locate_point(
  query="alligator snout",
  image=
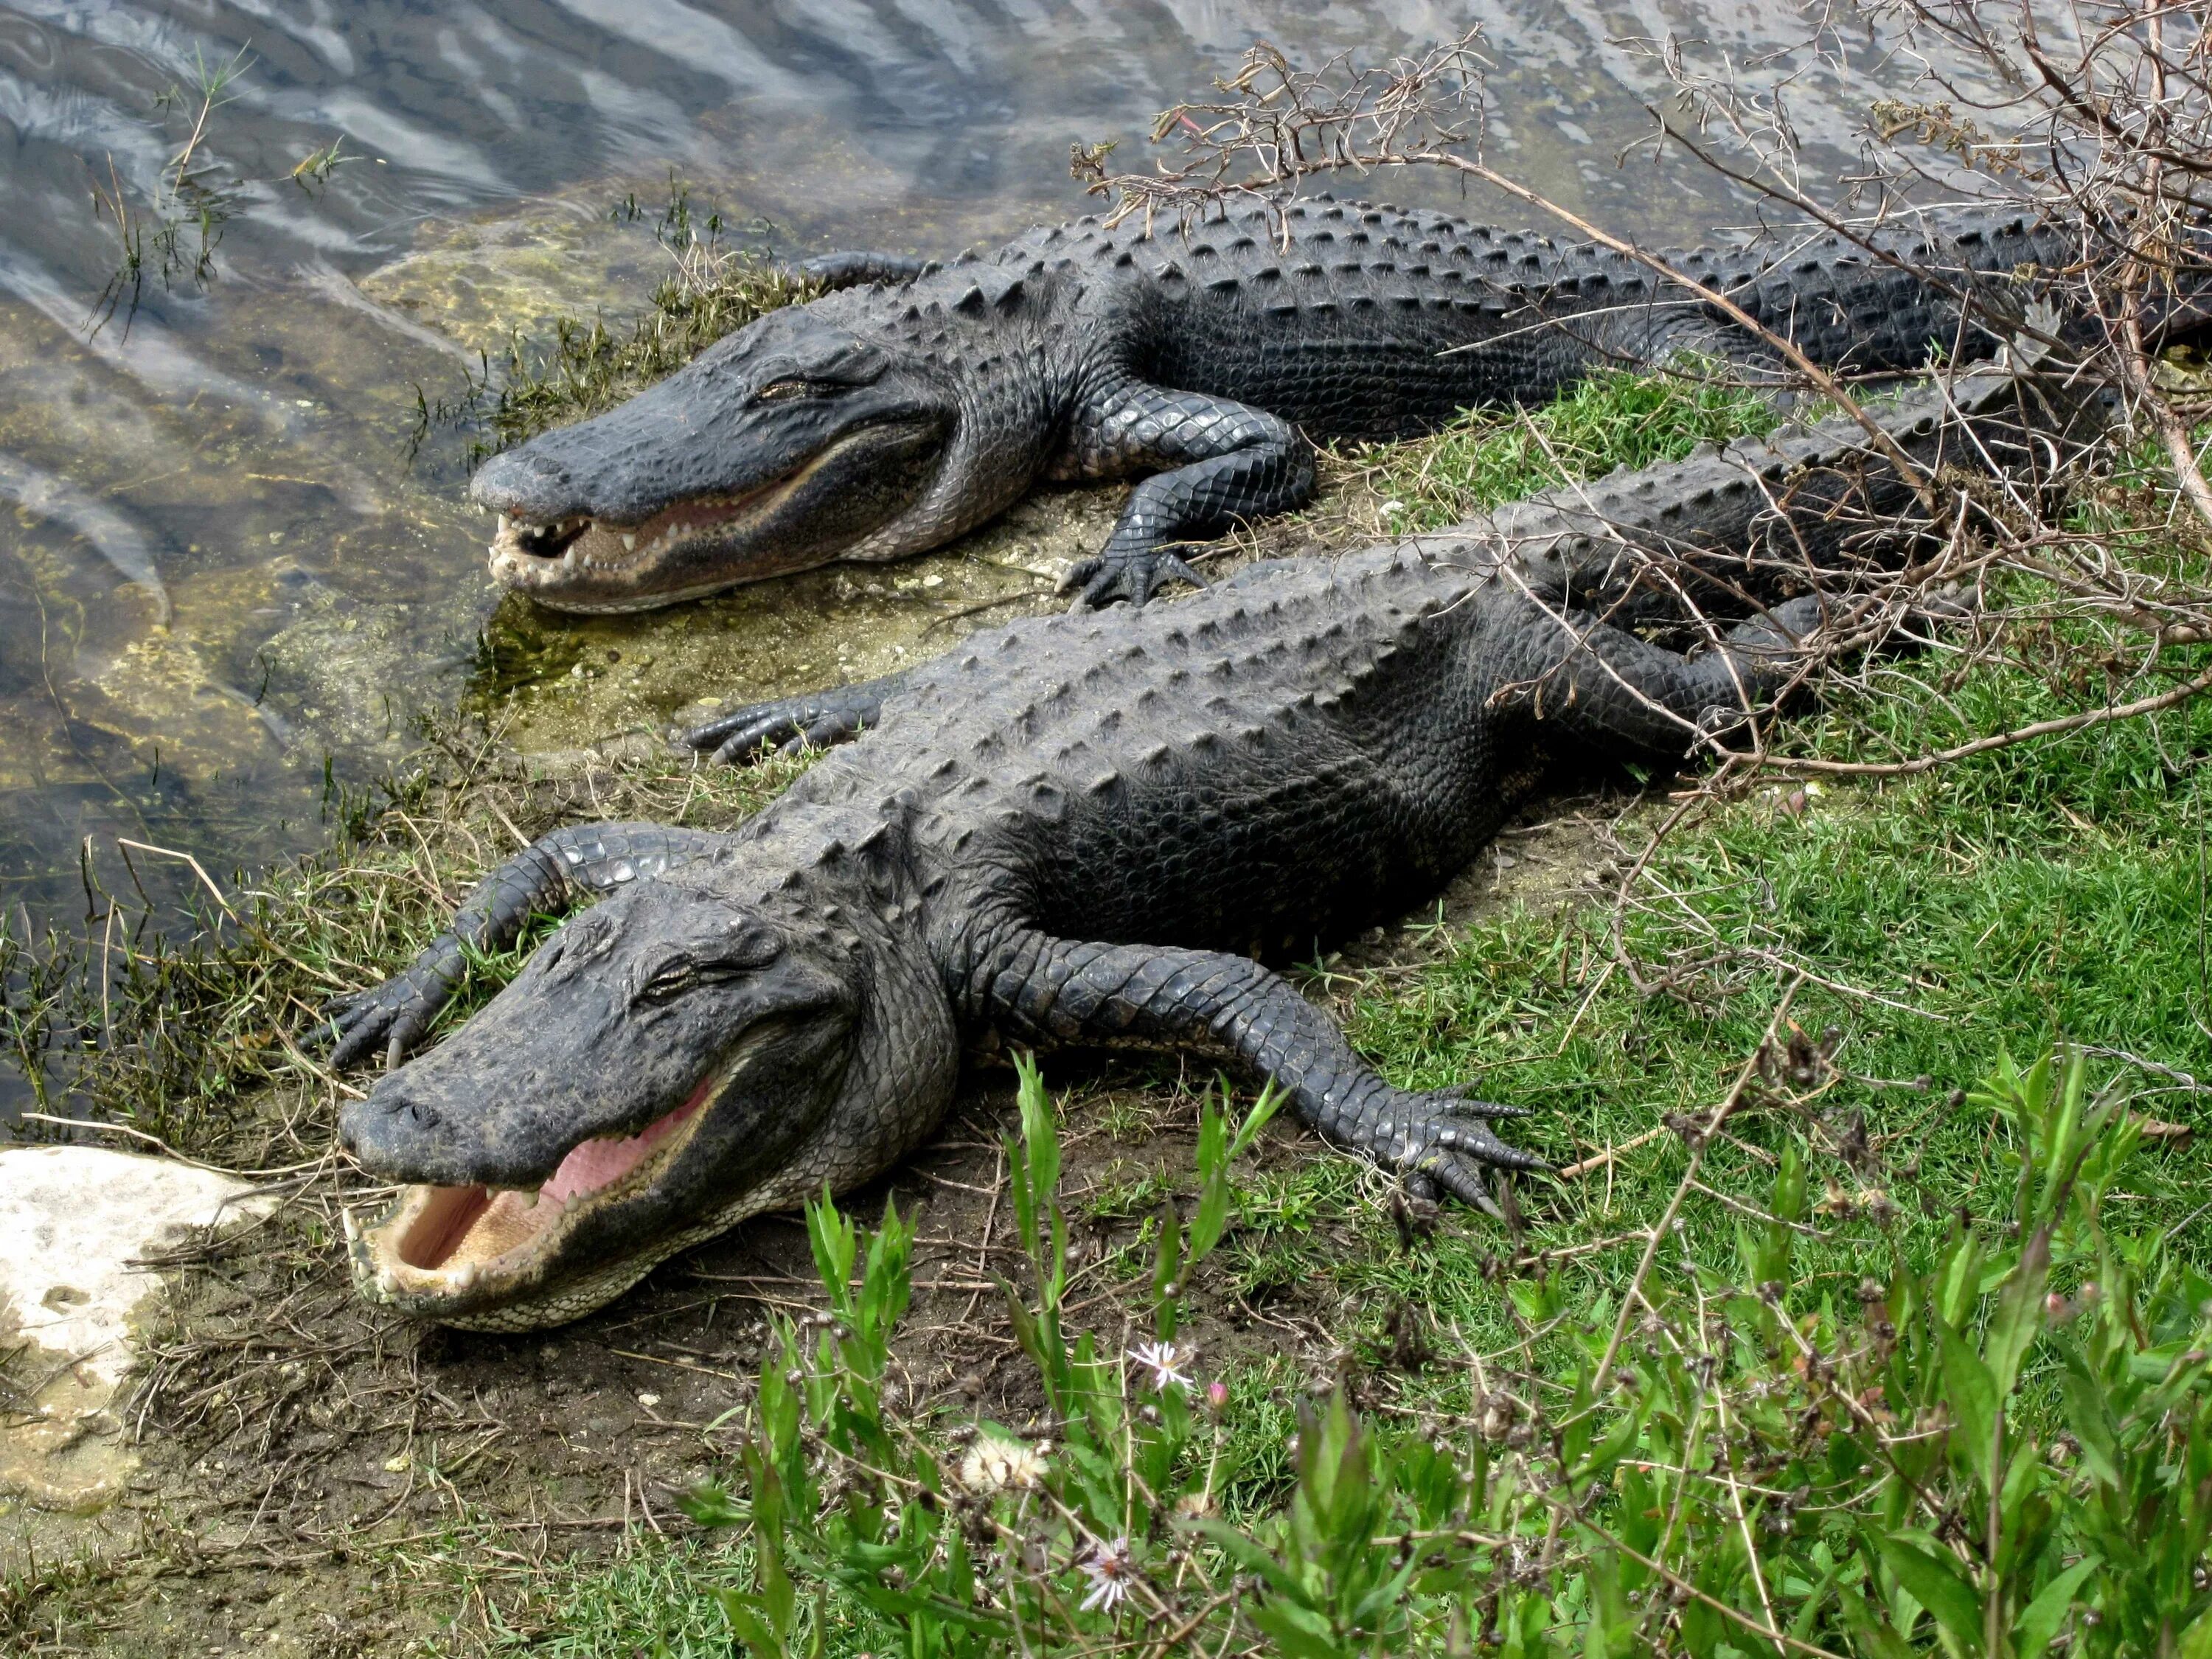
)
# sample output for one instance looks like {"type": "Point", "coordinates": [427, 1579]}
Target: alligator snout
{"type": "Point", "coordinates": [406, 1132]}
{"type": "Point", "coordinates": [387, 1131]}
{"type": "Point", "coordinates": [529, 483]}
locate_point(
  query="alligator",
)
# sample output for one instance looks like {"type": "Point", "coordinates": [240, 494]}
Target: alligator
{"type": "Point", "coordinates": [1085, 830]}
{"type": "Point", "coordinates": [912, 403]}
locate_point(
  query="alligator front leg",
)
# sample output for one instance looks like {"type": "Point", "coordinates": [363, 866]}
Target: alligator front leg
{"type": "Point", "coordinates": [1226, 462]}
{"type": "Point", "coordinates": [811, 720]}
{"type": "Point", "coordinates": [546, 878]}
{"type": "Point", "coordinates": [1052, 992]}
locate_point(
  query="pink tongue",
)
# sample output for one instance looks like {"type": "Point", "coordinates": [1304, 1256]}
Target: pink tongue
{"type": "Point", "coordinates": [602, 1161]}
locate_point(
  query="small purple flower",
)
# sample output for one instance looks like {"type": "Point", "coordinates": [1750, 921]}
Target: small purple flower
{"type": "Point", "coordinates": [1162, 1360]}
{"type": "Point", "coordinates": [1111, 1569]}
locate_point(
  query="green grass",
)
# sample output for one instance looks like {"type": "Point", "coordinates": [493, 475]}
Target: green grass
{"type": "Point", "coordinates": [652, 1596]}
{"type": "Point", "coordinates": [1616, 419]}
{"type": "Point", "coordinates": [2053, 891]}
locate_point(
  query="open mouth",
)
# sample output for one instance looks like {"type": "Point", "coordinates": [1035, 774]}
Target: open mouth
{"type": "Point", "coordinates": [526, 551]}
{"type": "Point", "coordinates": [588, 564]}
{"type": "Point", "coordinates": [442, 1241]}
{"type": "Point", "coordinates": [541, 541]}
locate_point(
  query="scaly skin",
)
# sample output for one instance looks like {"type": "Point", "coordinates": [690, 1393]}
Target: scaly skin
{"type": "Point", "coordinates": [1083, 831]}
{"type": "Point", "coordinates": [919, 402]}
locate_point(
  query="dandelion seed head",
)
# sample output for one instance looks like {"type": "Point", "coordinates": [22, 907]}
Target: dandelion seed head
{"type": "Point", "coordinates": [995, 1465]}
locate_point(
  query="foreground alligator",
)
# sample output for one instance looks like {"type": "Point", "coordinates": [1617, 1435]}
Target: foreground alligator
{"type": "Point", "coordinates": [917, 402]}
{"type": "Point", "coordinates": [1059, 834]}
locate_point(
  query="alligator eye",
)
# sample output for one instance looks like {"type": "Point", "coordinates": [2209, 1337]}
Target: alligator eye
{"type": "Point", "coordinates": [671, 980]}
{"type": "Point", "coordinates": [787, 391]}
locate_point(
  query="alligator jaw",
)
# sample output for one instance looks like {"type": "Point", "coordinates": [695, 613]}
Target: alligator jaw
{"type": "Point", "coordinates": [699, 545]}
{"type": "Point", "coordinates": [442, 1251]}
{"type": "Point", "coordinates": [531, 556]}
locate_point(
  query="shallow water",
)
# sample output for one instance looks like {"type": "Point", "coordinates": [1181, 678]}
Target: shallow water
{"type": "Point", "coordinates": [224, 584]}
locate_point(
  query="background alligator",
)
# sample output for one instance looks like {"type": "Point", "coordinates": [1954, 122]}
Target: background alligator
{"type": "Point", "coordinates": [917, 404]}
{"type": "Point", "coordinates": [1082, 829]}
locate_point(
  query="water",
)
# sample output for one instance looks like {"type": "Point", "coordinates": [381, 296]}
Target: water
{"type": "Point", "coordinates": [223, 583]}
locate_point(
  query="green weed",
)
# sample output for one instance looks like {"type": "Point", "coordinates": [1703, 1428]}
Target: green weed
{"type": "Point", "coordinates": [1615, 418]}
{"type": "Point", "coordinates": [2005, 1446]}
{"type": "Point", "coordinates": [661, 1601]}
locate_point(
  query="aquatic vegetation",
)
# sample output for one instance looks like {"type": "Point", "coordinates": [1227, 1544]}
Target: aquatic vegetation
{"type": "Point", "coordinates": [173, 234]}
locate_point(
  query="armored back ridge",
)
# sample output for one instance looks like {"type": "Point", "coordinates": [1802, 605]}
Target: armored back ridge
{"type": "Point", "coordinates": [1083, 830]}
{"type": "Point", "coordinates": [918, 401]}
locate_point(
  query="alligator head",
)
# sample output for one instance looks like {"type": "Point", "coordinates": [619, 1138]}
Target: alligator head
{"type": "Point", "coordinates": [795, 441]}
{"type": "Point", "coordinates": [671, 1062]}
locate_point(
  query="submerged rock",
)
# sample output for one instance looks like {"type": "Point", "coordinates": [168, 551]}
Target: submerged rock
{"type": "Point", "coordinates": [480, 282]}
{"type": "Point", "coordinates": [77, 1222]}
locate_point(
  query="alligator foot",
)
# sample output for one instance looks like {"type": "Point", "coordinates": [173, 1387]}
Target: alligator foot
{"type": "Point", "coordinates": [396, 1013]}
{"type": "Point", "coordinates": [1106, 577]}
{"type": "Point", "coordinates": [813, 720]}
{"type": "Point", "coordinates": [1430, 1140]}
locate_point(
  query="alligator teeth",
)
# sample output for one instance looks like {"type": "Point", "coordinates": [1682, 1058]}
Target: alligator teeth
{"type": "Point", "coordinates": [502, 524]}
{"type": "Point", "coordinates": [463, 1277]}
{"type": "Point", "coordinates": [629, 544]}
{"type": "Point", "coordinates": [387, 1283]}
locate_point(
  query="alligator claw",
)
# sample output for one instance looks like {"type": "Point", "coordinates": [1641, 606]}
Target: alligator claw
{"type": "Point", "coordinates": [1458, 1101]}
{"type": "Point", "coordinates": [1106, 577]}
{"type": "Point", "coordinates": [735, 737]}
{"type": "Point", "coordinates": [1461, 1183]}
{"type": "Point", "coordinates": [393, 1016]}
{"type": "Point", "coordinates": [783, 727]}
{"type": "Point", "coordinates": [1429, 1140]}
{"type": "Point", "coordinates": [814, 720]}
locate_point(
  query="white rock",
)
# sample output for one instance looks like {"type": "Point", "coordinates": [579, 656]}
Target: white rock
{"type": "Point", "coordinates": [73, 1221]}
